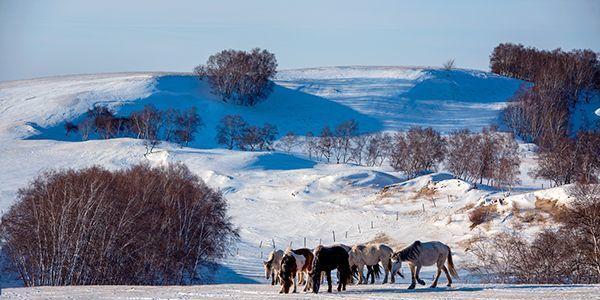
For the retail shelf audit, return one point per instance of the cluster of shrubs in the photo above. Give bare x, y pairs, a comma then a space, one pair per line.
138, 226
240, 77
564, 255
233, 131
150, 124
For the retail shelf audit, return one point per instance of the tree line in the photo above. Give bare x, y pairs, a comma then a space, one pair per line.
541, 112
489, 156
150, 124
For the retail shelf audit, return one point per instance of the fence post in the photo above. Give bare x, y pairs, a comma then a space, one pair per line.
423, 204
346, 233
371, 224
273, 241
261, 254
397, 215
260, 246
359, 229
291, 244
304, 242
320, 243
333, 232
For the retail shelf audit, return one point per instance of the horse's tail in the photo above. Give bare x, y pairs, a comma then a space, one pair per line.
451, 268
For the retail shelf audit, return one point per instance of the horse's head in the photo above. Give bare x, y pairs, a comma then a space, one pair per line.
268, 268
397, 264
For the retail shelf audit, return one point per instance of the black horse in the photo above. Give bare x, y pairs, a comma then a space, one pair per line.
327, 259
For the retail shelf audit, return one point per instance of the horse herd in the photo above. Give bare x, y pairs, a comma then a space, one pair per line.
303, 266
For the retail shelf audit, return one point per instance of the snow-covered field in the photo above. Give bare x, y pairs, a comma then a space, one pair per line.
275, 196
254, 291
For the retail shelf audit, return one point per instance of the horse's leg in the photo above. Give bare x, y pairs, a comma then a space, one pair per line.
372, 276
359, 269
328, 281
412, 276
295, 282
340, 284
447, 275
272, 277
421, 282
437, 276
385, 270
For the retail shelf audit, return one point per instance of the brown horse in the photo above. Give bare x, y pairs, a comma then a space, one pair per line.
295, 263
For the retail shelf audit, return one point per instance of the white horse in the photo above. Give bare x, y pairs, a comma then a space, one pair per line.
370, 255
273, 265
425, 254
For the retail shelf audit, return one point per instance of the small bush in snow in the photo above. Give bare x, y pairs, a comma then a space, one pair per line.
142, 225
449, 65
240, 77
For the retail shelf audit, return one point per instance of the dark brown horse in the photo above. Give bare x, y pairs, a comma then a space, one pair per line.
294, 263
327, 259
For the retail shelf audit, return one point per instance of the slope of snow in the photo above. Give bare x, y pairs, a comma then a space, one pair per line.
49, 101
403, 97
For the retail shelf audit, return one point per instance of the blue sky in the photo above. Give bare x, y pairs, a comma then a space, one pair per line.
41, 38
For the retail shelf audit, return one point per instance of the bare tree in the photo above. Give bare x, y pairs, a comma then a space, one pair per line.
240, 77
326, 143
449, 65
358, 148
268, 134
230, 130
187, 124
146, 124
85, 127
344, 132
288, 141
489, 155
311, 144
417, 150
378, 148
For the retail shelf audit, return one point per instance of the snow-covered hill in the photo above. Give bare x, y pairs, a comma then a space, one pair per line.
278, 197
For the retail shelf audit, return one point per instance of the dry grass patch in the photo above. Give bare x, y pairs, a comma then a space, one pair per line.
426, 192
481, 214
551, 207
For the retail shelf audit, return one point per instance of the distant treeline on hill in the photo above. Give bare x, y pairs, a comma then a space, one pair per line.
542, 112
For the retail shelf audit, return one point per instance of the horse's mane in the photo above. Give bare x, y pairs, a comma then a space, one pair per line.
410, 252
